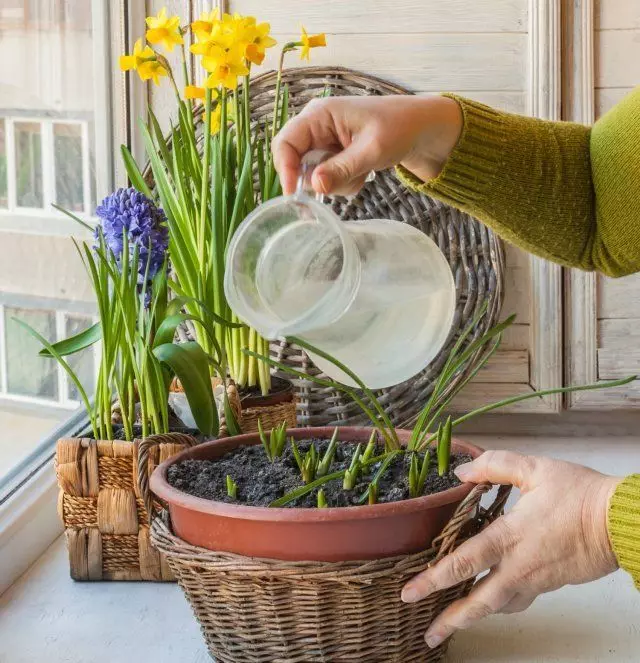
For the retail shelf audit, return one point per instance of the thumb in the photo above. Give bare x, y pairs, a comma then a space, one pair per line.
344, 173
500, 467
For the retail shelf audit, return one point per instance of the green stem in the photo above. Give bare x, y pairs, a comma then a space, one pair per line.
205, 177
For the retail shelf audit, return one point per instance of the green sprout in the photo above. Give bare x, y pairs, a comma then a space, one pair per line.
274, 444
232, 488
322, 499
372, 493
355, 468
418, 474
444, 447
325, 464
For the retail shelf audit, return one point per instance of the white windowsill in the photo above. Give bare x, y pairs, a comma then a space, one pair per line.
46, 616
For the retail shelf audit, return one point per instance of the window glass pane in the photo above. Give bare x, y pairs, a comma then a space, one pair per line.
82, 363
67, 150
27, 373
48, 71
3, 164
29, 164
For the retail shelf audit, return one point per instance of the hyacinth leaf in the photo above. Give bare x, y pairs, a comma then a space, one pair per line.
133, 172
167, 330
388, 459
77, 219
73, 344
189, 363
69, 371
322, 499
232, 487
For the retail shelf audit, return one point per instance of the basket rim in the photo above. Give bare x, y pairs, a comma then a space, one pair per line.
160, 486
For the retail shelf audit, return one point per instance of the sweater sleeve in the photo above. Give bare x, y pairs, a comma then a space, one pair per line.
624, 526
551, 188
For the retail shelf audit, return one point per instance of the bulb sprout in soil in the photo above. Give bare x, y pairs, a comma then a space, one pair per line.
322, 499
232, 488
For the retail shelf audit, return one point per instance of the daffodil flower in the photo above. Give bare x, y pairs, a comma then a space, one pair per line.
224, 66
256, 49
164, 30
307, 42
193, 92
204, 26
145, 61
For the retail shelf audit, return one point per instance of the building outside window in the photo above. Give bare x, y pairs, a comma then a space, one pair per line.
52, 118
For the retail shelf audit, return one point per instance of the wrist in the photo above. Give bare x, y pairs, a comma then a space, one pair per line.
440, 123
595, 523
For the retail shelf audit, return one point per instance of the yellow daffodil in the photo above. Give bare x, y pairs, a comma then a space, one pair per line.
255, 50
204, 26
224, 66
145, 61
193, 92
164, 30
310, 41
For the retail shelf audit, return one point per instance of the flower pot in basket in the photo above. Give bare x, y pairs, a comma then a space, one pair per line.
271, 410
307, 584
105, 517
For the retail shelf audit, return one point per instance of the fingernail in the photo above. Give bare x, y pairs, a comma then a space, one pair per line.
324, 180
462, 470
410, 594
433, 640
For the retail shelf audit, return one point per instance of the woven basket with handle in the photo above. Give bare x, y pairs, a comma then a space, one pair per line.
474, 254
104, 503
259, 611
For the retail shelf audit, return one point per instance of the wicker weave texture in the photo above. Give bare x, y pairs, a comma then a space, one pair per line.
102, 508
263, 611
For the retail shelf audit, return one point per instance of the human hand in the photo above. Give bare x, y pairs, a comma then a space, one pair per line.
556, 534
367, 133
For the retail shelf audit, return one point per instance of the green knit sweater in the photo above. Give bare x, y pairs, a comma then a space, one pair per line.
563, 191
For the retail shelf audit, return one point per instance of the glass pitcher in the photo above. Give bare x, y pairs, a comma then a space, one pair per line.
377, 295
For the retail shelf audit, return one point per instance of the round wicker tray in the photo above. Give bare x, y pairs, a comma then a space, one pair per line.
474, 253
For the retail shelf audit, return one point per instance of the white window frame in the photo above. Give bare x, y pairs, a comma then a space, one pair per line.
48, 168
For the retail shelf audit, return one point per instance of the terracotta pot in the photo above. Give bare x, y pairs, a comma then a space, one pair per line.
331, 534
281, 392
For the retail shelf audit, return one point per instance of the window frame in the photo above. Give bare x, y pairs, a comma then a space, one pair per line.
48, 166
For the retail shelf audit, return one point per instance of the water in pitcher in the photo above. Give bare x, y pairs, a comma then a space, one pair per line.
398, 314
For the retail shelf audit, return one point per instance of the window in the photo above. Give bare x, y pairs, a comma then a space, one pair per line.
50, 162
26, 376
56, 101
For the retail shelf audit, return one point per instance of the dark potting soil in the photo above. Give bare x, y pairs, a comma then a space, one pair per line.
261, 481
278, 386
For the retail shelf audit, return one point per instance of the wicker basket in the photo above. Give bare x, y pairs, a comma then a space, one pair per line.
473, 251
260, 611
105, 517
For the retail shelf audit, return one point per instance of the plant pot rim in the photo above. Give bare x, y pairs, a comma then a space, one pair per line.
284, 395
165, 491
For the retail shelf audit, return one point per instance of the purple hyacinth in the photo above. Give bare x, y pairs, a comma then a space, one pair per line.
145, 224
